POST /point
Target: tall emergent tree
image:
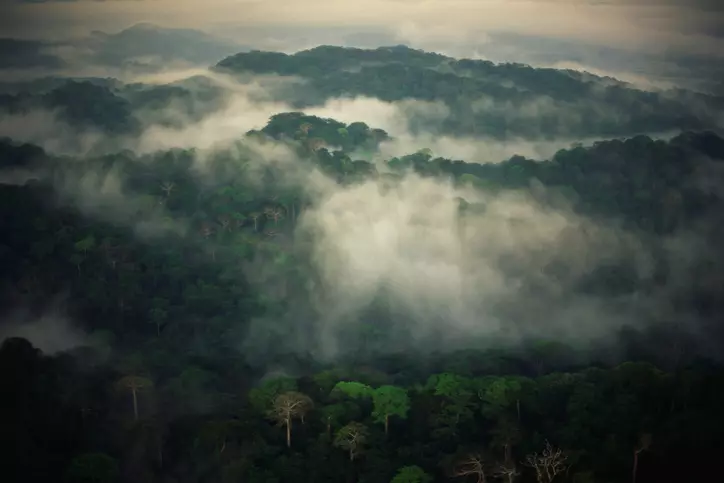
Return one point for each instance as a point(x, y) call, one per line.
point(351, 438)
point(134, 384)
point(389, 401)
point(286, 407)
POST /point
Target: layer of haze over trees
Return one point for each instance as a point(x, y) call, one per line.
point(350, 265)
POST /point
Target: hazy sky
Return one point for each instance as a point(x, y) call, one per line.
point(628, 39)
point(640, 24)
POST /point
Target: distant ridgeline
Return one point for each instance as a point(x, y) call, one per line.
point(111, 107)
point(487, 99)
point(471, 97)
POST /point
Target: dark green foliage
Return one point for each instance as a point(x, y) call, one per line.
point(159, 281)
point(516, 100)
point(83, 104)
point(93, 468)
point(604, 413)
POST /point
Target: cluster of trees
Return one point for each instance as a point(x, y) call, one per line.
point(632, 422)
point(559, 103)
point(114, 108)
point(80, 104)
point(154, 268)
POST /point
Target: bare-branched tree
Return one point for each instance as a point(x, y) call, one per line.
point(288, 406)
point(548, 464)
point(275, 213)
point(167, 187)
point(471, 464)
point(304, 128)
point(351, 438)
point(507, 471)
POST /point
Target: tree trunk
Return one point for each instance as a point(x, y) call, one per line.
point(387, 423)
point(517, 407)
point(635, 467)
point(289, 433)
point(135, 404)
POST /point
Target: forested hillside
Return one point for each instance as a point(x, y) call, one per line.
point(295, 306)
point(497, 100)
point(480, 98)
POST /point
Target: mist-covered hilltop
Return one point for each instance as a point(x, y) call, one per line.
point(434, 94)
point(360, 265)
point(483, 98)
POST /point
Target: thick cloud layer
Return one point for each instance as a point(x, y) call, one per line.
point(248, 102)
point(50, 332)
point(452, 281)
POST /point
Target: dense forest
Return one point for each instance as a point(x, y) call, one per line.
point(497, 100)
point(293, 307)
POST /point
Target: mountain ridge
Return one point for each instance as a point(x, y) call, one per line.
point(498, 99)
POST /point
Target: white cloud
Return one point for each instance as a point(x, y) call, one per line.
point(453, 280)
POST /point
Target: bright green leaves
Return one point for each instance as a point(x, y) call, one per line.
point(411, 474)
point(389, 401)
point(355, 390)
point(457, 400)
point(502, 394)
